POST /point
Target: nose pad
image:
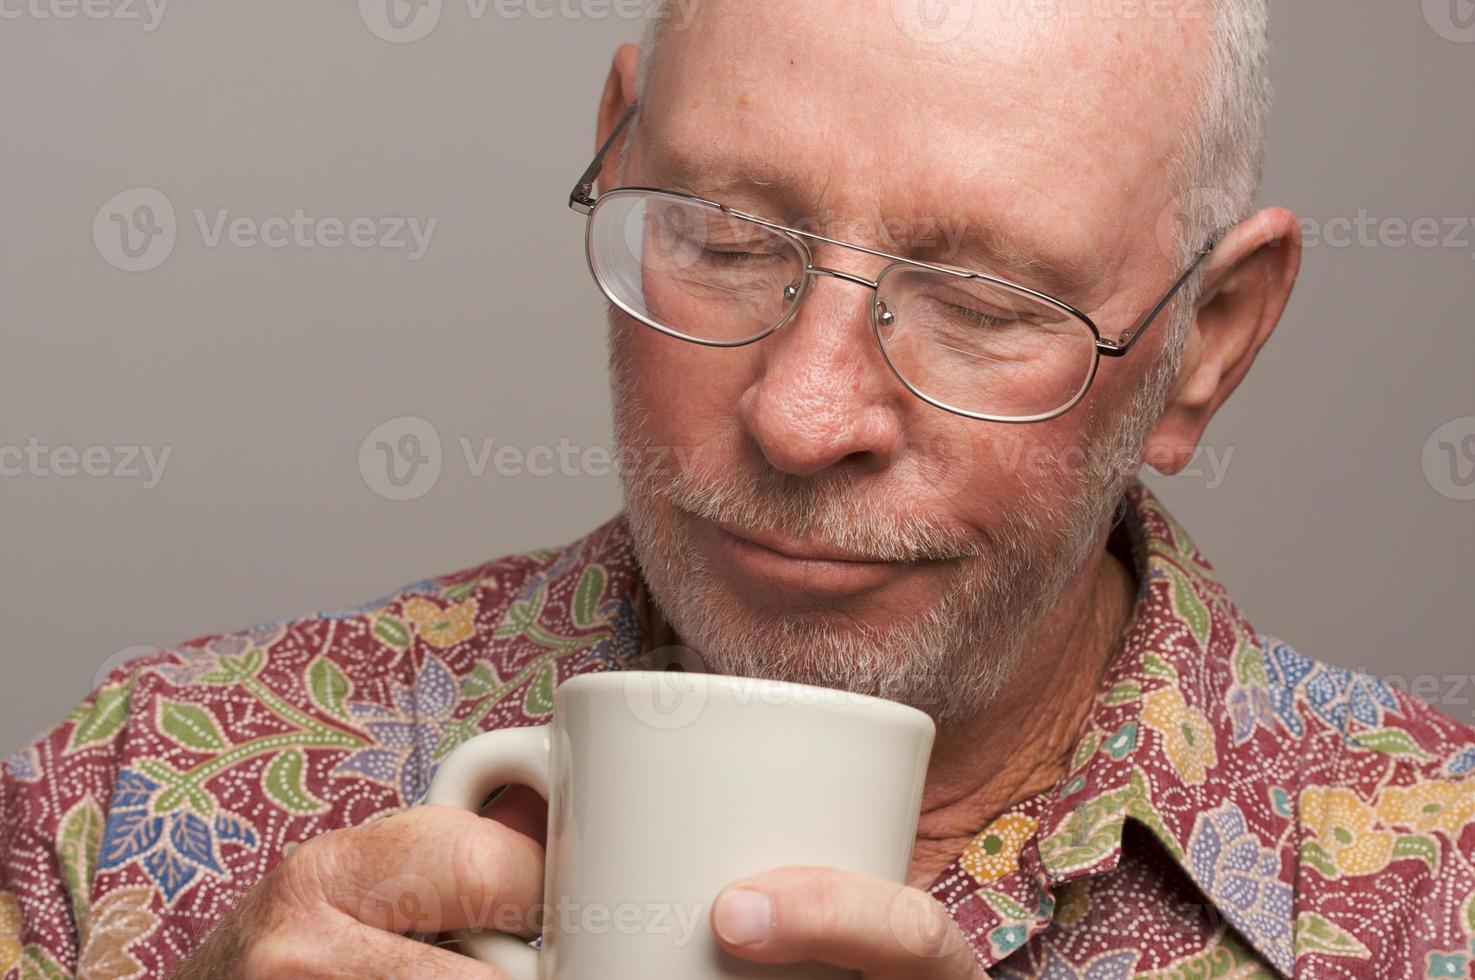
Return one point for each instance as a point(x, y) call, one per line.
point(886, 320)
point(791, 291)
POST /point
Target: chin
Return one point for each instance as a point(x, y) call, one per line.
point(936, 649)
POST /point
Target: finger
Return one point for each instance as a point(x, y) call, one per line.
point(345, 948)
point(427, 870)
point(522, 809)
point(882, 929)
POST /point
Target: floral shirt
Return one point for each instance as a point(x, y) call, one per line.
point(1232, 809)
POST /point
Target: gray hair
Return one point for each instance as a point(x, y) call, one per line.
point(1220, 165)
point(1217, 170)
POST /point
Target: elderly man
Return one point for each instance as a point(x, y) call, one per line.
point(902, 297)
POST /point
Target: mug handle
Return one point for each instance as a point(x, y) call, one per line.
point(465, 779)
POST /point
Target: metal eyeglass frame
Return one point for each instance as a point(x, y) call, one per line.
point(582, 200)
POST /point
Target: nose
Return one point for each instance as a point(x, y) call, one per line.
point(823, 396)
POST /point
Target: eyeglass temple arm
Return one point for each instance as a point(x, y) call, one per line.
point(582, 197)
point(1120, 348)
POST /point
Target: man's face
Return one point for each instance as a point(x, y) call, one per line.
point(800, 514)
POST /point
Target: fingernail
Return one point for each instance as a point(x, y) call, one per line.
point(744, 917)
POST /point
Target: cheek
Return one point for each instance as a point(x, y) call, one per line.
point(985, 475)
point(689, 392)
point(1120, 378)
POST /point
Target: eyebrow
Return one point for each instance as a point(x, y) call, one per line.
point(982, 246)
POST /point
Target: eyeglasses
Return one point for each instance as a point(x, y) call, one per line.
point(967, 342)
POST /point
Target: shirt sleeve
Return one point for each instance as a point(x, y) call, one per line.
point(54, 797)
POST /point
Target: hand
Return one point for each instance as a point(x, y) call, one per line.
point(344, 904)
point(884, 930)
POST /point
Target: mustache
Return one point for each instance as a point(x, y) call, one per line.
point(833, 510)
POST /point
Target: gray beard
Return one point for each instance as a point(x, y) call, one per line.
point(951, 660)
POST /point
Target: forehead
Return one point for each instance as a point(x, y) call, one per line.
point(1052, 117)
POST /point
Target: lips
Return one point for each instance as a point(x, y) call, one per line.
point(807, 551)
point(782, 572)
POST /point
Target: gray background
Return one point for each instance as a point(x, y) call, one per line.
point(264, 369)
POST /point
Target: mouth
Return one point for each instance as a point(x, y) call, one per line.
point(796, 550)
point(788, 571)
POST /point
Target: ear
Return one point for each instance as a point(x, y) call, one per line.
point(619, 92)
point(1247, 284)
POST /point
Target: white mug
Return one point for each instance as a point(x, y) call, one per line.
point(663, 788)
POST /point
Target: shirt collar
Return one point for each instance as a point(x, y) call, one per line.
point(1177, 696)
